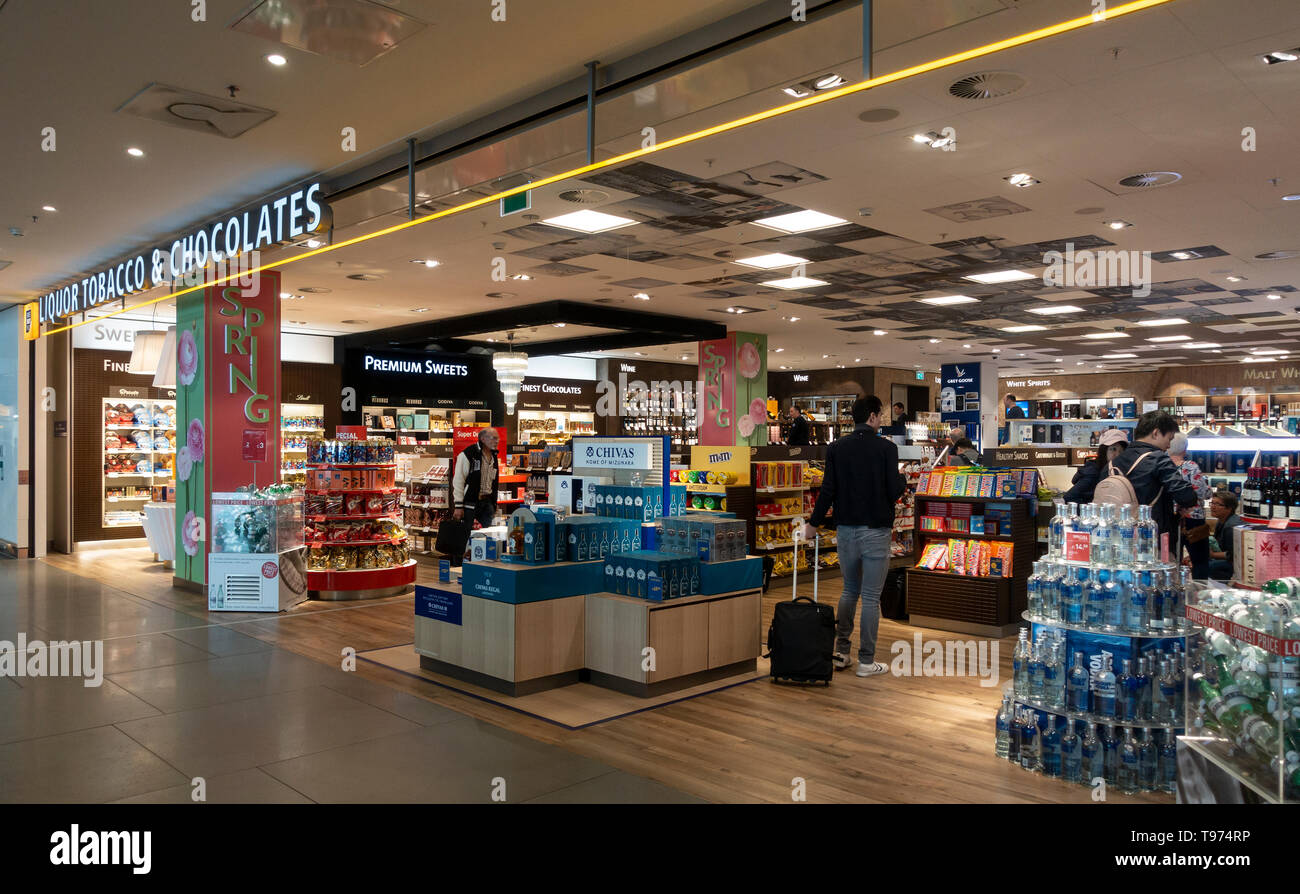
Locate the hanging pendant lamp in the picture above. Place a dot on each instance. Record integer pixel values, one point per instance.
(511, 367)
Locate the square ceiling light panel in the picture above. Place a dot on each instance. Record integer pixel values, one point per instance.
(354, 31)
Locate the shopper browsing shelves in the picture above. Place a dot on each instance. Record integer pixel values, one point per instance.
(1111, 445)
(799, 435)
(1223, 506)
(862, 483)
(1195, 532)
(1154, 477)
(474, 484)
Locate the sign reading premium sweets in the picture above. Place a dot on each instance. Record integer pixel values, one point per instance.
(282, 219)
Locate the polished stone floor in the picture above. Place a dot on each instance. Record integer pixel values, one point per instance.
(184, 699)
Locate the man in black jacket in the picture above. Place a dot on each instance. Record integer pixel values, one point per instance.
(862, 483)
(800, 434)
(1154, 432)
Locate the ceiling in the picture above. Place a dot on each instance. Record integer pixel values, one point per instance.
(1169, 89)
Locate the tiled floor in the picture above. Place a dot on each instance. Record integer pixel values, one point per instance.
(190, 705)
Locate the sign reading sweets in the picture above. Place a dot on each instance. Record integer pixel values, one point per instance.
(279, 220)
(409, 366)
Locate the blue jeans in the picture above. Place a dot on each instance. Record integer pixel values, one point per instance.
(864, 562)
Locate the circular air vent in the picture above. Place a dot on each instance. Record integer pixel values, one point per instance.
(584, 196)
(874, 116)
(364, 277)
(986, 85)
(1151, 179)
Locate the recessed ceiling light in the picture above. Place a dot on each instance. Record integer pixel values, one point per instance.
(276, 59)
(922, 138)
(1277, 56)
(559, 325)
(1050, 309)
(935, 341)
(839, 366)
(1236, 278)
(641, 296)
(313, 243)
(1023, 328)
(857, 359)
(771, 262)
(796, 91)
(826, 356)
(939, 142)
(1202, 345)
(419, 310)
(779, 350)
(686, 357)
(943, 300)
(286, 294)
(785, 367)
(1274, 297)
(796, 282)
(965, 346)
(491, 341)
(427, 262)
(1171, 338)
(790, 319)
(826, 82)
(1118, 224)
(1079, 363)
(800, 222)
(588, 221)
(1294, 197)
(640, 353)
(997, 350)
(1269, 351)
(880, 332)
(1119, 356)
(49, 208)
(138, 153)
(1258, 360)
(1163, 321)
(1000, 276)
(522, 277)
(1022, 180)
(1107, 335)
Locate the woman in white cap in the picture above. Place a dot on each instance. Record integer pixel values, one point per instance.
(1195, 531)
(1112, 444)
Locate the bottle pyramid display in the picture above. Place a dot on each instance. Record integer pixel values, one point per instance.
(1100, 676)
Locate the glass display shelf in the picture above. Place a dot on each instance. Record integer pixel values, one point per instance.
(1189, 629)
(1095, 718)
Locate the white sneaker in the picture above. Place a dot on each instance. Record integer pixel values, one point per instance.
(841, 662)
(871, 670)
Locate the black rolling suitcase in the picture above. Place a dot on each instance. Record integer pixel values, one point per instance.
(453, 537)
(893, 596)
(801, 640)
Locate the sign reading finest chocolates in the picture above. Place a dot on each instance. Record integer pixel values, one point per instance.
(557, 395)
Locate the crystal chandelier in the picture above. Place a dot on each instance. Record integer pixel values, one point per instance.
(511, 367)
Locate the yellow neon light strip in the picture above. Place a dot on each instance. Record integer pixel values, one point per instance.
(848, 90)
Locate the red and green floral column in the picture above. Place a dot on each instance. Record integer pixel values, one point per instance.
(734, 372)
(227, 406)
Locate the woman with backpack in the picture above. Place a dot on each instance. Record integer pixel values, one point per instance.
(1112, 443)
(1145, 475)
(1195, 531)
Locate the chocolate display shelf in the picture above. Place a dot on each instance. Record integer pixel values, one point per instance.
(338, 518)
(352, 465)
(383, 541)
(356, 490)
(361, 583)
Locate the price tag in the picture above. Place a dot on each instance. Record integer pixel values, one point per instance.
(254, 446)
(1278, 524)
(1078, 546)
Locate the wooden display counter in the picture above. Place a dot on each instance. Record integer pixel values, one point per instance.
(694, 640)
(527, 647)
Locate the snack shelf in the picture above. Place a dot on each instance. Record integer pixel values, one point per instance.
(955, 535)
(357, 490)
(304, 430)
(768, 518)
(953, 574)
(127, 499)
(372, 516)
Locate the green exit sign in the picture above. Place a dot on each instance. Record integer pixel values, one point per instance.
(520, 201)
(920, 376)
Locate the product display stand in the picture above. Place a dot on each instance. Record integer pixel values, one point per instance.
(356, 547)
(981, 603)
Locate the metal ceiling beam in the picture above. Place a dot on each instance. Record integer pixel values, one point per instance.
(760, 22)
(643, 326)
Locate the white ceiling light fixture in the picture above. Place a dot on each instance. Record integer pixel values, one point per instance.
(1024, 328)
(1051, 309)
(828, 82)
(965, 346)
(779, 350)
(790, 319)
(945, 300)
(135, 152)
(1163, 321)
(277, 60)
(313, 243)
(521, 277)
(49, 208)
(1279, 56)
(1118, 356)
(796, 91)
(588, 221)
(146, 349)
(1294, 197)
(1022, 180)
(796, 282)
(1269, 351)
(1274, 297)
(641, 296)
(997, 350)
(800, 222)
(1118, 224)
(935, 341)
(880, 332)
(771, 262)
(1000, 276)
(559, 325)
(1202, 345)
(1236, 277)
(511, 367)
(1164, 338)
(1107, 335)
